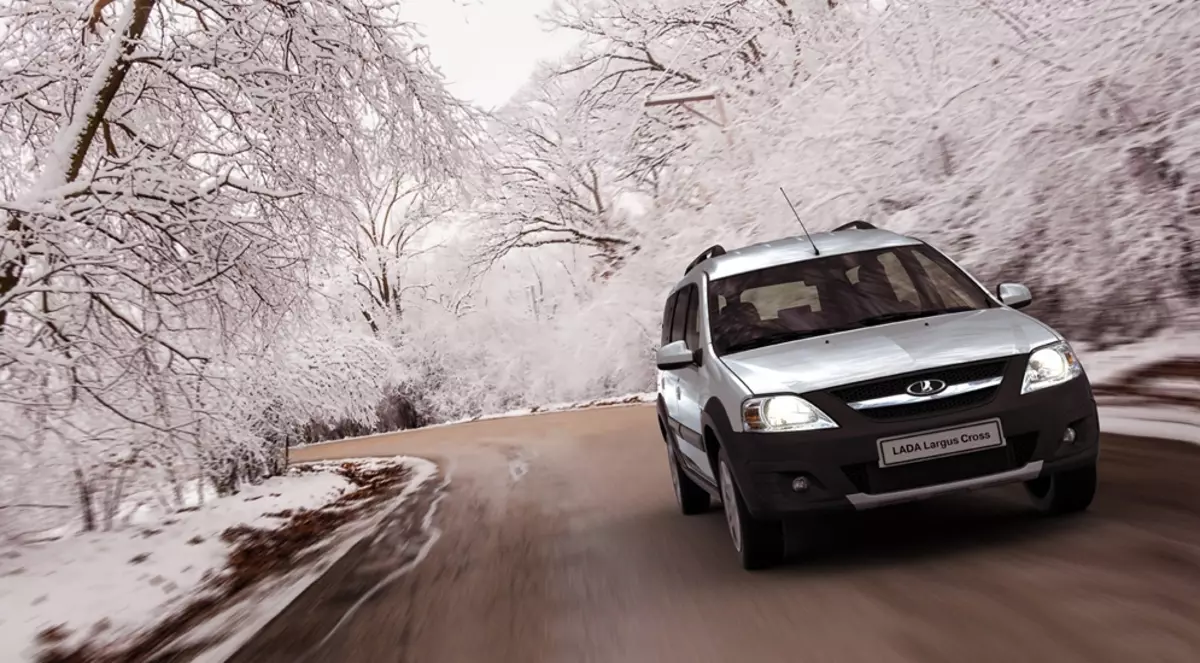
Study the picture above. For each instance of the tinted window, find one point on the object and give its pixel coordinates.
(951, 288)
(666, 323)
(692, 327)
(679, 317)
(836, 293)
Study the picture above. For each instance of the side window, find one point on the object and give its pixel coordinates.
(951, 290)
(692, 329)
(666, 321)
(679, 318)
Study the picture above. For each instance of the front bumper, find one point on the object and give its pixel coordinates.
(842, 464)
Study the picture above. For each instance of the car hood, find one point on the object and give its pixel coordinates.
(874, 352)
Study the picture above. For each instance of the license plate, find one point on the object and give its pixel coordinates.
(940, 443)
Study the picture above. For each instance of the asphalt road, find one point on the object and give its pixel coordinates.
(561, 542)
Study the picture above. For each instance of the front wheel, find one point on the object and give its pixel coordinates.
(759, 543)
(1069, 491)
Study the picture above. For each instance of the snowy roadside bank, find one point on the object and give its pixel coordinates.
(595, 403)
(197, 578)
(1150, 388)
(1112, 365)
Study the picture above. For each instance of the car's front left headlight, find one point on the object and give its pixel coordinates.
(1050, 365)
(783, 413)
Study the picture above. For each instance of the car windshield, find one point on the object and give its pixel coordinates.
(836, 293)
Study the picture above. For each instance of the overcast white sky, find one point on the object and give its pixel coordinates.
(486, 48)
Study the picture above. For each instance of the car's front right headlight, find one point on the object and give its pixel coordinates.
(783, 413)
(1050, 365)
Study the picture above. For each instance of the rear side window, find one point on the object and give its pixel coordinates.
(679, 318)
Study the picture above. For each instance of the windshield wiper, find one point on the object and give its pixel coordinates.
(784, 337)
(910, 315)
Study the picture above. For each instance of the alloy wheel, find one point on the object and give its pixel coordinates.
(729, 500)
(674, 473)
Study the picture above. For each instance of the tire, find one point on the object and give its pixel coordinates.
(691, 498)
(1069, 491)
(758, 543)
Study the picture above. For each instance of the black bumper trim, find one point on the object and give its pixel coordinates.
(843, 462)
(1026, 472)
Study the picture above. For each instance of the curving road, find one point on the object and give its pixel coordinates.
(561, 543)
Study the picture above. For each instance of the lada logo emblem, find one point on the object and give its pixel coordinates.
(926, 387)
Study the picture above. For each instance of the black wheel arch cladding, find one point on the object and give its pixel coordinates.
(715, 423)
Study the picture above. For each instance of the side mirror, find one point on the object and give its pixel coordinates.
(675, 355)
(1014, 295)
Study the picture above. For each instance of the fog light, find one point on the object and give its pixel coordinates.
(1069, 435)
(800, 484)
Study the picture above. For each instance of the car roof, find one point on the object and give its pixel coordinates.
(797, 248)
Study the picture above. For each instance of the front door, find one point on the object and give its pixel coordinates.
(688, 383)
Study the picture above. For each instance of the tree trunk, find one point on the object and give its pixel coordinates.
(85, 502)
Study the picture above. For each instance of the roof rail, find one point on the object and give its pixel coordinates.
(711, 252)
(855, 225)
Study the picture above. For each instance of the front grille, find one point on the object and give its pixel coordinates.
(891, 386)
(931, 407)
(894, 385)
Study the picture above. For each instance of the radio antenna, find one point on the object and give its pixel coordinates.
(789, 202)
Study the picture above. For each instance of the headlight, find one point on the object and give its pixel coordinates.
(1050, 365)
(783, 413)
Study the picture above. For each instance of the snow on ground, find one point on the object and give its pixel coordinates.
(1158, 422)
(614, 401)
(110, 584)
(1106, 366)
(240, 626)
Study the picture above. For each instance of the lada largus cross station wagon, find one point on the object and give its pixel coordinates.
(860, 368)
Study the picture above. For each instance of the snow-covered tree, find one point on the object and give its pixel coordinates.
(555, 182)
(1049, 134)
(173, 170)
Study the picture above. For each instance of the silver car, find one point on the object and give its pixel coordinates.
(855, 369)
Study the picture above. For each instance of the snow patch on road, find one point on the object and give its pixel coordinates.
(517, 468)
(238, 627)
(112, 585)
